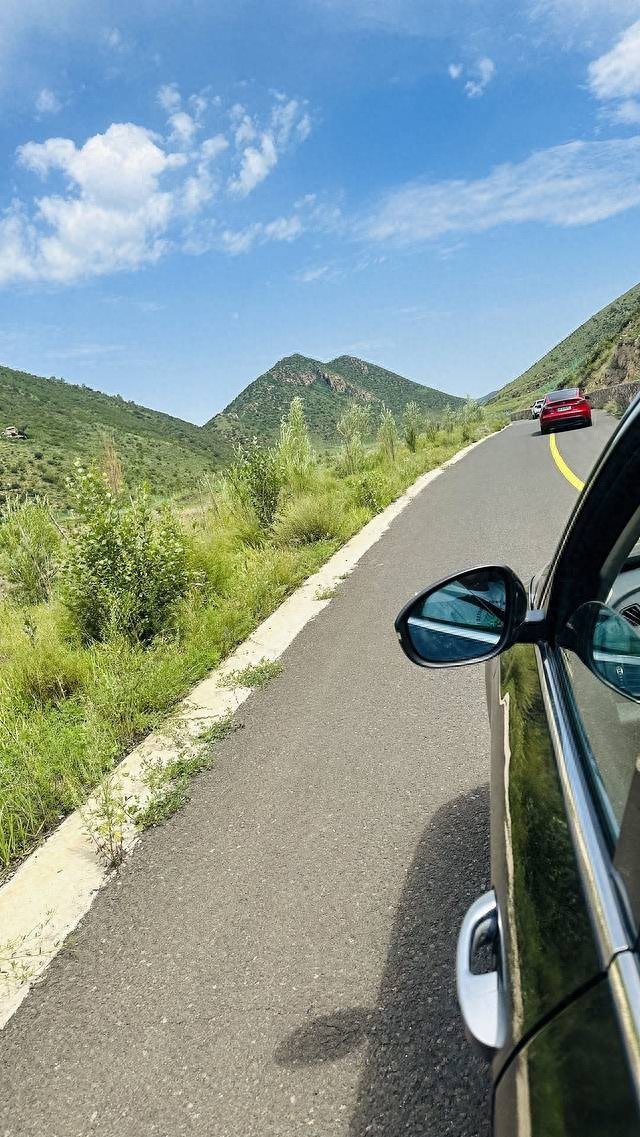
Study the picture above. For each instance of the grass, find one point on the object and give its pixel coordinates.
(169, 783)
(70, 709)
(257, 676)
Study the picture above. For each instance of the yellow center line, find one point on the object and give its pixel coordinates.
(565, 470)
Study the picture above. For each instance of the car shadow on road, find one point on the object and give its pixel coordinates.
(419, 1077)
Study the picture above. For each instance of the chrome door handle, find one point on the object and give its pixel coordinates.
(481, 997)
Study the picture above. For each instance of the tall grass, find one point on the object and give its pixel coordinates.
(76, 692)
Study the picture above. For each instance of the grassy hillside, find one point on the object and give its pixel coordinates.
(65, 422)
(326, 389)
(601, 352)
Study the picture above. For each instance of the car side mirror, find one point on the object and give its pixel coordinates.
(465, 618)
(608, 645)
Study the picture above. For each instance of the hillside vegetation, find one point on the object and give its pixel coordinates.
(326, 389)
(65, 422)
(602, 352)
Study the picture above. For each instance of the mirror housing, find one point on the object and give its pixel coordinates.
(466, 618)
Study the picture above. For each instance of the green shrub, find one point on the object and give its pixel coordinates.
(387, 435)
(412, 422)
(352, 428)
(30, 549)
(309, 518)
(294, 453)
(126, 568)
(256, 479)
(372, 491)
(612, 408)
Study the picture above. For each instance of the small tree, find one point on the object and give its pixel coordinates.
(387, 434)
(256, 478)
(294, 453)
(448, 420)
(412, 422)
(352, 428)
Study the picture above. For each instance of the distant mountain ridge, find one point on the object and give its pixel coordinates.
(325, 389)
(65, 422)
(602, 352)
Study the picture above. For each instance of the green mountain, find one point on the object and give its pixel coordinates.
(58, 423)
(325, 389)
(63, 422)
(602, 352)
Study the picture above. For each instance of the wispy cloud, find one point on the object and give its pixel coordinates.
(575, 184)
(281, 229)
(260, 146)
(48, 102)
(614, 78)
(128, 196)
(479, 75)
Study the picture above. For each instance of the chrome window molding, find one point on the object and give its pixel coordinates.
(594, 863)
(624, 983)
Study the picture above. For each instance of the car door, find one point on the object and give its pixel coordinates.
(566, 836)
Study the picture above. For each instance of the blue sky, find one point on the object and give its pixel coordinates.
(192, 189)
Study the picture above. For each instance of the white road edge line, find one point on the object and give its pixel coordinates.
(55, 886)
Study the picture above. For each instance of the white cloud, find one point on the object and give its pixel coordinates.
(289, 122)
(455, 70)
(48, 102)
(169, 97)
(281, 229)
(183, 128)
(627, 112)
(616, 75)
(575, 184)
(484, 72)
(128, 195)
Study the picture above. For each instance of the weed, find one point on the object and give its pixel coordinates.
(256, 676)
(22, 956)
(107, 819)
(168, 783)
(326, 593)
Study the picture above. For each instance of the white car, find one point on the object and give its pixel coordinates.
(536, 408)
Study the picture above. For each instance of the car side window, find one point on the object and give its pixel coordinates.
(605, 692)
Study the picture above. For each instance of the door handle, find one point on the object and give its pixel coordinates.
(481, 997)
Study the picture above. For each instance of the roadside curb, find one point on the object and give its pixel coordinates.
(55, 886)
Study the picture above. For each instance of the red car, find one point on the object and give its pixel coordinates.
(564, 408)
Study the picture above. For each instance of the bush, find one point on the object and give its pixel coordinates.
(412, 421)
(612, 408)
(126, 567)
(352, 427)
(256, 479)
(387, 435)
(373, 491)
(30, 549)
(309, 518)
(294, 453)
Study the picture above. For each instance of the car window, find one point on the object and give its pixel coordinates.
(610, 719)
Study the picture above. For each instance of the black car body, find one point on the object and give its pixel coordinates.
(557, 1011)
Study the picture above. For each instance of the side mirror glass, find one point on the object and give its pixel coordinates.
(608, 645)
(464, 619)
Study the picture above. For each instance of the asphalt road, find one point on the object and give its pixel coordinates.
(278, 958)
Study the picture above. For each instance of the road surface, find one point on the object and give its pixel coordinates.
(278, 958)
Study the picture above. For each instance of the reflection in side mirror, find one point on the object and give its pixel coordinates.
(608, 645)
(464, 619)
